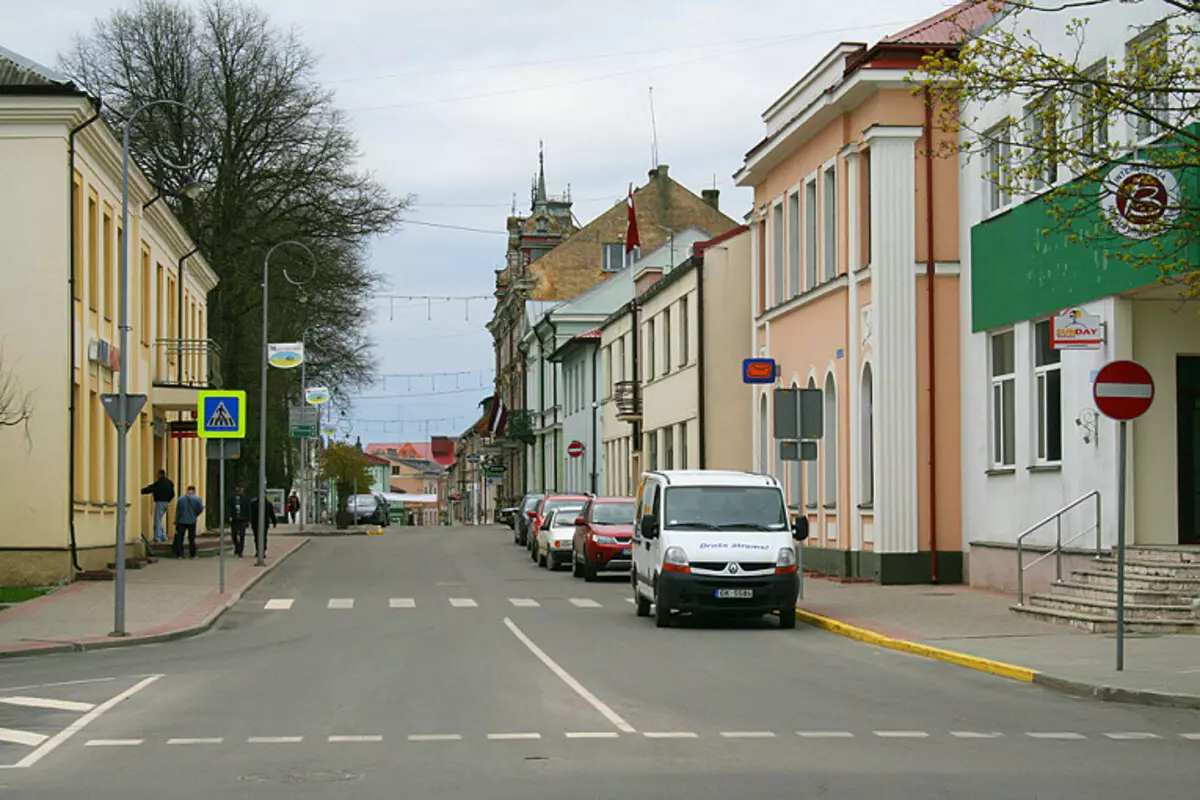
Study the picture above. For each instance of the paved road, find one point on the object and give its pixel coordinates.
(442, 663)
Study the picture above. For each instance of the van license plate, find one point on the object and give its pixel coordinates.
(734, 594)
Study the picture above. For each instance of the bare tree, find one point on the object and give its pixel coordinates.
(279, 162)
(16, 404)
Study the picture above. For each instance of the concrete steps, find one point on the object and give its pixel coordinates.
(1147, 583)
(1100, 624)
(1138, 596)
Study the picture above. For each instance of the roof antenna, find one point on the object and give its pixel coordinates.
(653, 131)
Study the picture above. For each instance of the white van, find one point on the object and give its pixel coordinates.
(713, 541)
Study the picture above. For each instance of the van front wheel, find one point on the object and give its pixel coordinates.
(662, 613)
(787, 618)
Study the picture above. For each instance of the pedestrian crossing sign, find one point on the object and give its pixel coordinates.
(221, 415)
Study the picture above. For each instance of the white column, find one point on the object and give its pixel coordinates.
(893, 295)
(850, 157)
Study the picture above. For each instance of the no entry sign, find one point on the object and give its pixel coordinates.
(1123, 390)
(575, 449)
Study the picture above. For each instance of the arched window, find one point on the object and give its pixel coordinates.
(795, 474)
(831, 441)
(867, 461)
(764, 440)
(810, 491)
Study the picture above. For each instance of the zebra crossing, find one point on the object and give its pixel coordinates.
(411, 603)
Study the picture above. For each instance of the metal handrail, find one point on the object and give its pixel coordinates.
(1056, 517)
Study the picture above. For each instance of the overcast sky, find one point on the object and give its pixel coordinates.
(449, 99)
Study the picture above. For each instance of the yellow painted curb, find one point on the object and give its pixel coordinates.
(1012, 671)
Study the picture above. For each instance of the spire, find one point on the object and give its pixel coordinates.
(540, 197)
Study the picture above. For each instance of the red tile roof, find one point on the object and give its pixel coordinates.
(950, 26)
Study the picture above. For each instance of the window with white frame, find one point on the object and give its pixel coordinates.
(1047, 379)
(1042, 122)
(1003, 401)
(648, 346)
(777, 254)
(997, 162)
(811, 487)
(666, 334)
(608, 371)
(669, 447)
(614, 256)
(829, 215)
(619, 359)
(1089, 110)
(684, 333)
(793, 244)
(830, 442)
(683, 448)
(867, 440)
(810, 235)
(1145, 56)
(652, 446)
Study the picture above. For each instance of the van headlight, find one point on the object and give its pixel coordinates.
(786, 560)
(675, 559)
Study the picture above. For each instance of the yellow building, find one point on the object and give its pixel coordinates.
(60, 240)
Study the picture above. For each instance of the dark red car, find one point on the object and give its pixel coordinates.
(536, 517)
(603, 537)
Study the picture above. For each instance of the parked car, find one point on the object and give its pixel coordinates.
(548, 504)
(715, 541)
(528, 510)
(369, 508)
(603, 537)
(508, 516)
(555, 535)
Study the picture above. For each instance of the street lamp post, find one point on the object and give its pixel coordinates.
(124, 413)
(261, 533)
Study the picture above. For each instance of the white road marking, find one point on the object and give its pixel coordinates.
(975, 735)
(670, 735)
(210, 740)
(584, 602)
(748, 734)
(46, 702)
(366, 738)
(631, 601)
(113, 742)
(463, 602)
(591, 735)
(59, 683)
(340, 602)
(54, 741)
(1055, 735)
(402, 602)
(524, 602)
(1193, 736)
(1132, 736)
(902, 734)
(501, 737)
(279, 604)
(22, 737)
(825, 734)
(566, 678)
(275, 739)
(435, 737)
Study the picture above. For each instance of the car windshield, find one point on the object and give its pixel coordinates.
(531, 502)
(565, 518)
(612, 514)
(554, 505)
(725, 508)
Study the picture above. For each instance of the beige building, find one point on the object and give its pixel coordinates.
(60, 224)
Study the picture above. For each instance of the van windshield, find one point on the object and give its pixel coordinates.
(719, 508)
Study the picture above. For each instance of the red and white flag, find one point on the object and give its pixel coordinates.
(632, 240)
(499, 418)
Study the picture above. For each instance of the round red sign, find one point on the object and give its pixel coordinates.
(575, 449)
(1123, 390)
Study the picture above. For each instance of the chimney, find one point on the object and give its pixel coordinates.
(712, 197)
(659, 172)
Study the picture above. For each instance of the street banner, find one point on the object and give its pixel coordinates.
(287, 355)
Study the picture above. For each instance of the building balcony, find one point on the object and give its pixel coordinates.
(627, 397)
(518, 430)
(183, 367)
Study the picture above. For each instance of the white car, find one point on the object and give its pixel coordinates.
(714, 541)
(556, 537)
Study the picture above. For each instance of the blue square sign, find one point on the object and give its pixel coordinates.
(221, 415)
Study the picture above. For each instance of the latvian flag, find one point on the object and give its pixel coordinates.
(499, 418)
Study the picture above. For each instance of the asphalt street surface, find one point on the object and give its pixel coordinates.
(443, 663)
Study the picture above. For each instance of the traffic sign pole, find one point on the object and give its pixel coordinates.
(1121, 548)
(221, 509)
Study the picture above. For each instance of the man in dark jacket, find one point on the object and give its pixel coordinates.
(270, 520)
(163, 492)
(238, 511)
(187, 514)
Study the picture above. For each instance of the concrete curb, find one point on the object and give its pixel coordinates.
(1110, 694)
(153, 638)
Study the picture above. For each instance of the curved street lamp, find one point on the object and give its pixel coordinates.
(122, 417)
(260, 534)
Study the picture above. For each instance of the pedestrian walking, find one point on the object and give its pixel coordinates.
(270, 520)
(163, 492)
(237, 508)
(293, 507)
(187, 512)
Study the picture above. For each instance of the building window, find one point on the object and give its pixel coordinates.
(77, 237)
(1093, 122)
(608, 371)
(80, 419)
(649, 348)
(1047, 378)
(1003, 410)
(619, 359)
(614, 256)
(683, 448)
(810, 234)
(764, 435)
(997, 161)
(830, 442)
(1146, 56)
(94, 460)
(109, 270)
(1042, 142)
(811, 489)
(669, 447)
(829, 211)
(93, 255)
(652, 446)
(777, 254)
(144, 322)
(793, 244)
(685, 333)
(865, 211)
(666, 334)
(867, 460)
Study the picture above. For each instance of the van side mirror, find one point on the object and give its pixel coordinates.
(648, 527)
(800, 527)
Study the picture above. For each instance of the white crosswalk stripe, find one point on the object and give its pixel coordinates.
(463, 602)
(584, 602)
(524, 602)
(402, 602)
(47, 702)
(114, 742)
(279, 604)
(22, 737)
(340, 602)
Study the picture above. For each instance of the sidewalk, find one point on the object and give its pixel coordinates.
(170, 599)
(972, 627)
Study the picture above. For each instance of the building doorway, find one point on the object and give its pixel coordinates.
(1187, 404)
